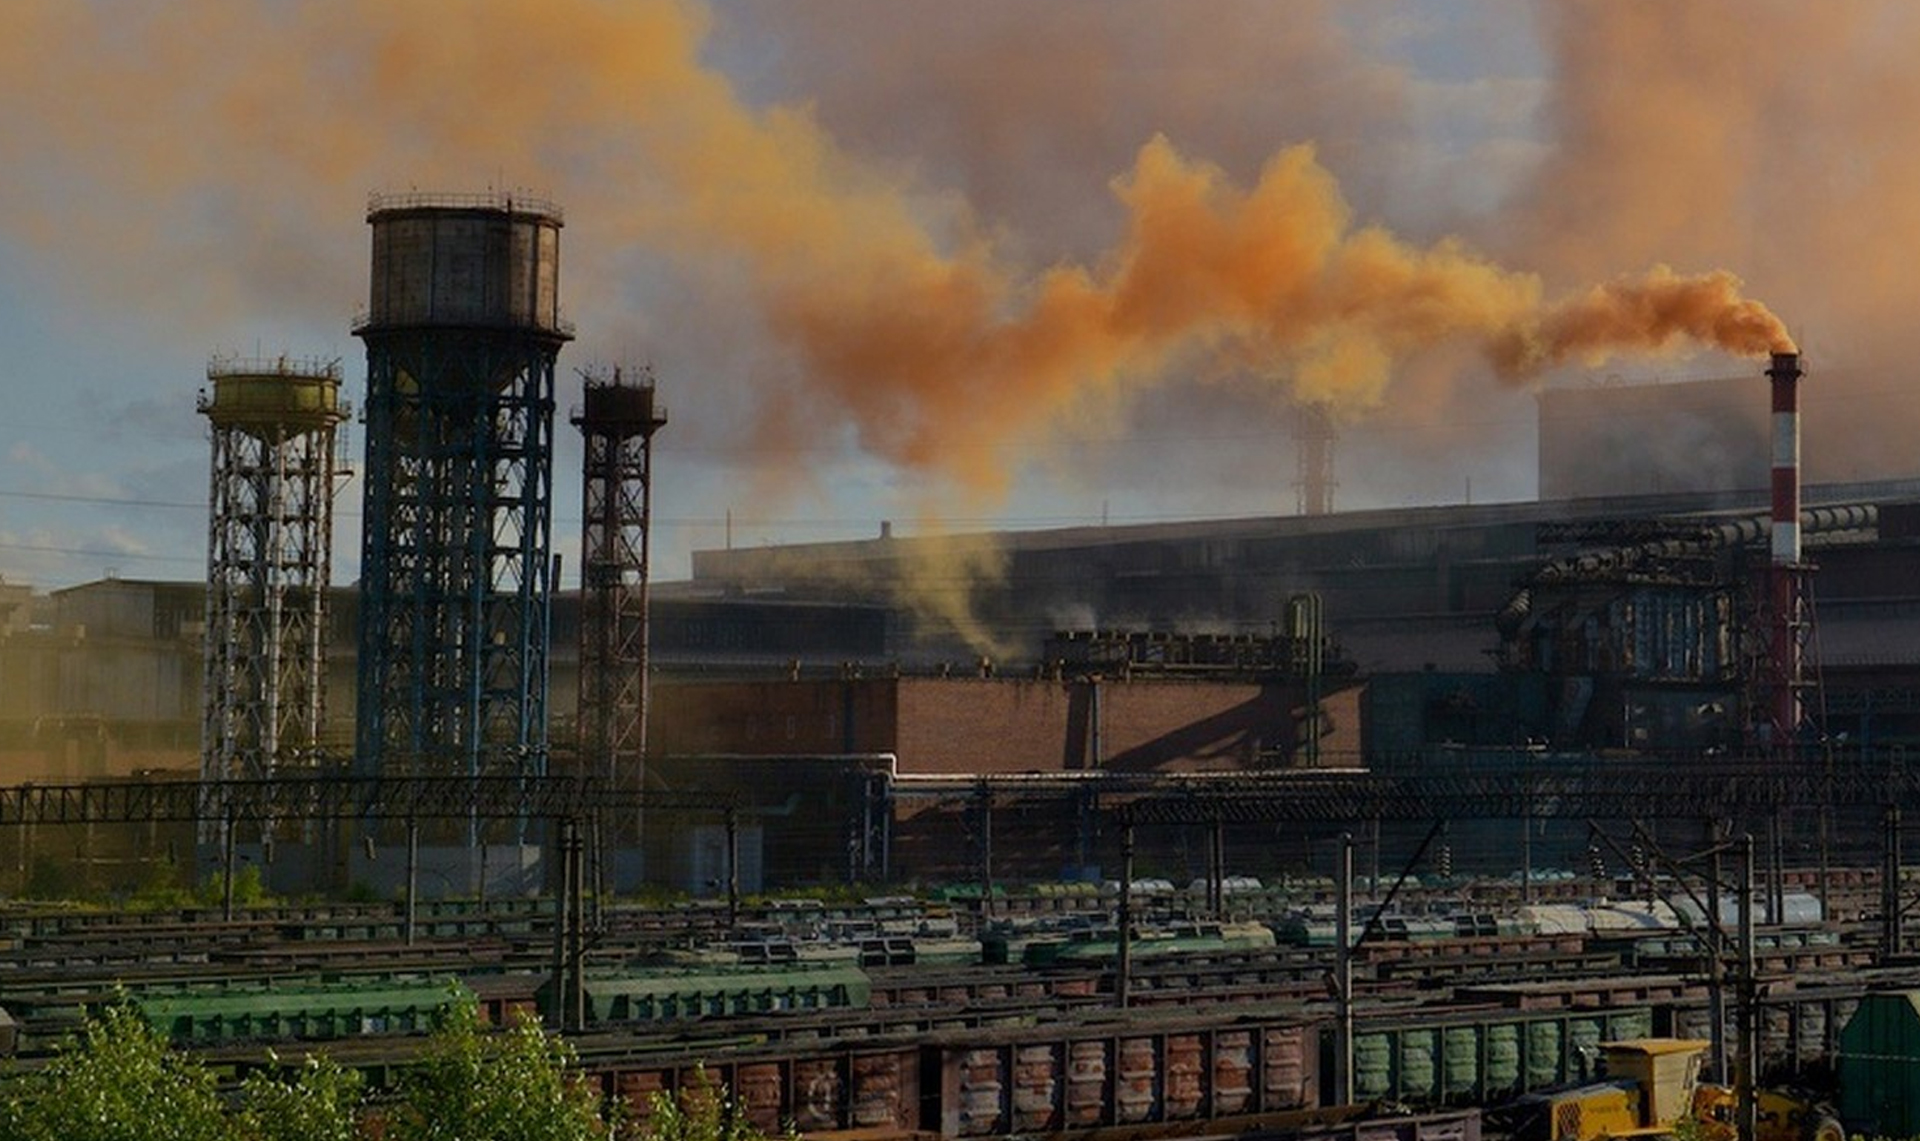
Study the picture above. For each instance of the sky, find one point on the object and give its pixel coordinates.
(954, 266)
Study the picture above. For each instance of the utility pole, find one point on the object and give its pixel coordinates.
(1343, 974)
(1123, 962)
(1744, 1084)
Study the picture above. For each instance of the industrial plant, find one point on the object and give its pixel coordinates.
(1555, 819)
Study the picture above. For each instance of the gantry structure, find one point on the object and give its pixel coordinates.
(462, 332)
(274, 425)
(617, 422)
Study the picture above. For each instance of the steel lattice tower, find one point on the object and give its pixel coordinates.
(269, 557)
(618, 422)
(462, 332)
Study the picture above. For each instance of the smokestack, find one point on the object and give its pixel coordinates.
(1785, 375)
(1786, 573)
(1313, 437)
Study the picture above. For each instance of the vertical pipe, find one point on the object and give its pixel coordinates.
(1217, 869)
(226, 865)
(1777, 868)
(886, 830)
(1826, 861)
(1094, 745)
(413, 878)
(1526, 859)
(557, 997)
(1343, 974)
(1086, 819)
(1373, 858)
(986, 851)
(1123, 965)
(576, 934)
(1744, 1085)
(1784, 703)
(1890, 933)
(598, 839)
(1716, 955)
(866, 826)
(733, 867)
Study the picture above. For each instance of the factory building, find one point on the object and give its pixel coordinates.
(1406, 592)
(1592, 624)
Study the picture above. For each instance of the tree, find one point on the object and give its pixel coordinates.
(320, 1103)
(519, 1084)
(116, 1081)
(704, 1111)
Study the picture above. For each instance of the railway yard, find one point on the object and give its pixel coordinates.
(900, 1015)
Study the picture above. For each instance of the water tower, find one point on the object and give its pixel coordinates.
(462, 329)
(269, 557)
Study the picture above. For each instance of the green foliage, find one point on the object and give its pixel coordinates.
(519, 1084)
(320, 1103)
(116, 1081)
(248, 888)
(704, 1111)
(161, 888)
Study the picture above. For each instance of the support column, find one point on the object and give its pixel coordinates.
(563, 890)
(1343, 974)
(1716, 955)
(413, 877)
(1746, 1081)
(1892, 938)
(733, 868)
(1123, 965)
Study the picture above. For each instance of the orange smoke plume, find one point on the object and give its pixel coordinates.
(895, 312)
(1647, 314)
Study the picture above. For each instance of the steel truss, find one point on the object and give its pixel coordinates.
(269, 559)
(617, 423)
(1574, 790)
(1596, 791)
(454, 625)
(338, 798)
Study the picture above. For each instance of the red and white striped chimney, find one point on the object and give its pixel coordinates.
(1785, 571)
(1785, 374)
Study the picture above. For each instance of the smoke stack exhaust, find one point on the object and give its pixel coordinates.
(1786, 575)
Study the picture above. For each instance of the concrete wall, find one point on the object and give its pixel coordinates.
(1001, 725)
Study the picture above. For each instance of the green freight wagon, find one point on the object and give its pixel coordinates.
(311, 1009)
(1484, 1058)
(1879, 1066)
(669, 995)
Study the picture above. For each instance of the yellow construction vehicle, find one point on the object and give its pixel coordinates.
(1652, 1088)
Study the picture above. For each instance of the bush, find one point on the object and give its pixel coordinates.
(521, 1084)
(116, 1081)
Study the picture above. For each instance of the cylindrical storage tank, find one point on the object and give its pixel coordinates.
(274, 397)
(464, 261)
(620, 409)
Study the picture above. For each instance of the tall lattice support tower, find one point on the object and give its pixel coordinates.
(269, 559)
(1313, 438)
(462, 331)
(618, 421)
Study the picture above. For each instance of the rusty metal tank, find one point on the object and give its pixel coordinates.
(489, 260)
